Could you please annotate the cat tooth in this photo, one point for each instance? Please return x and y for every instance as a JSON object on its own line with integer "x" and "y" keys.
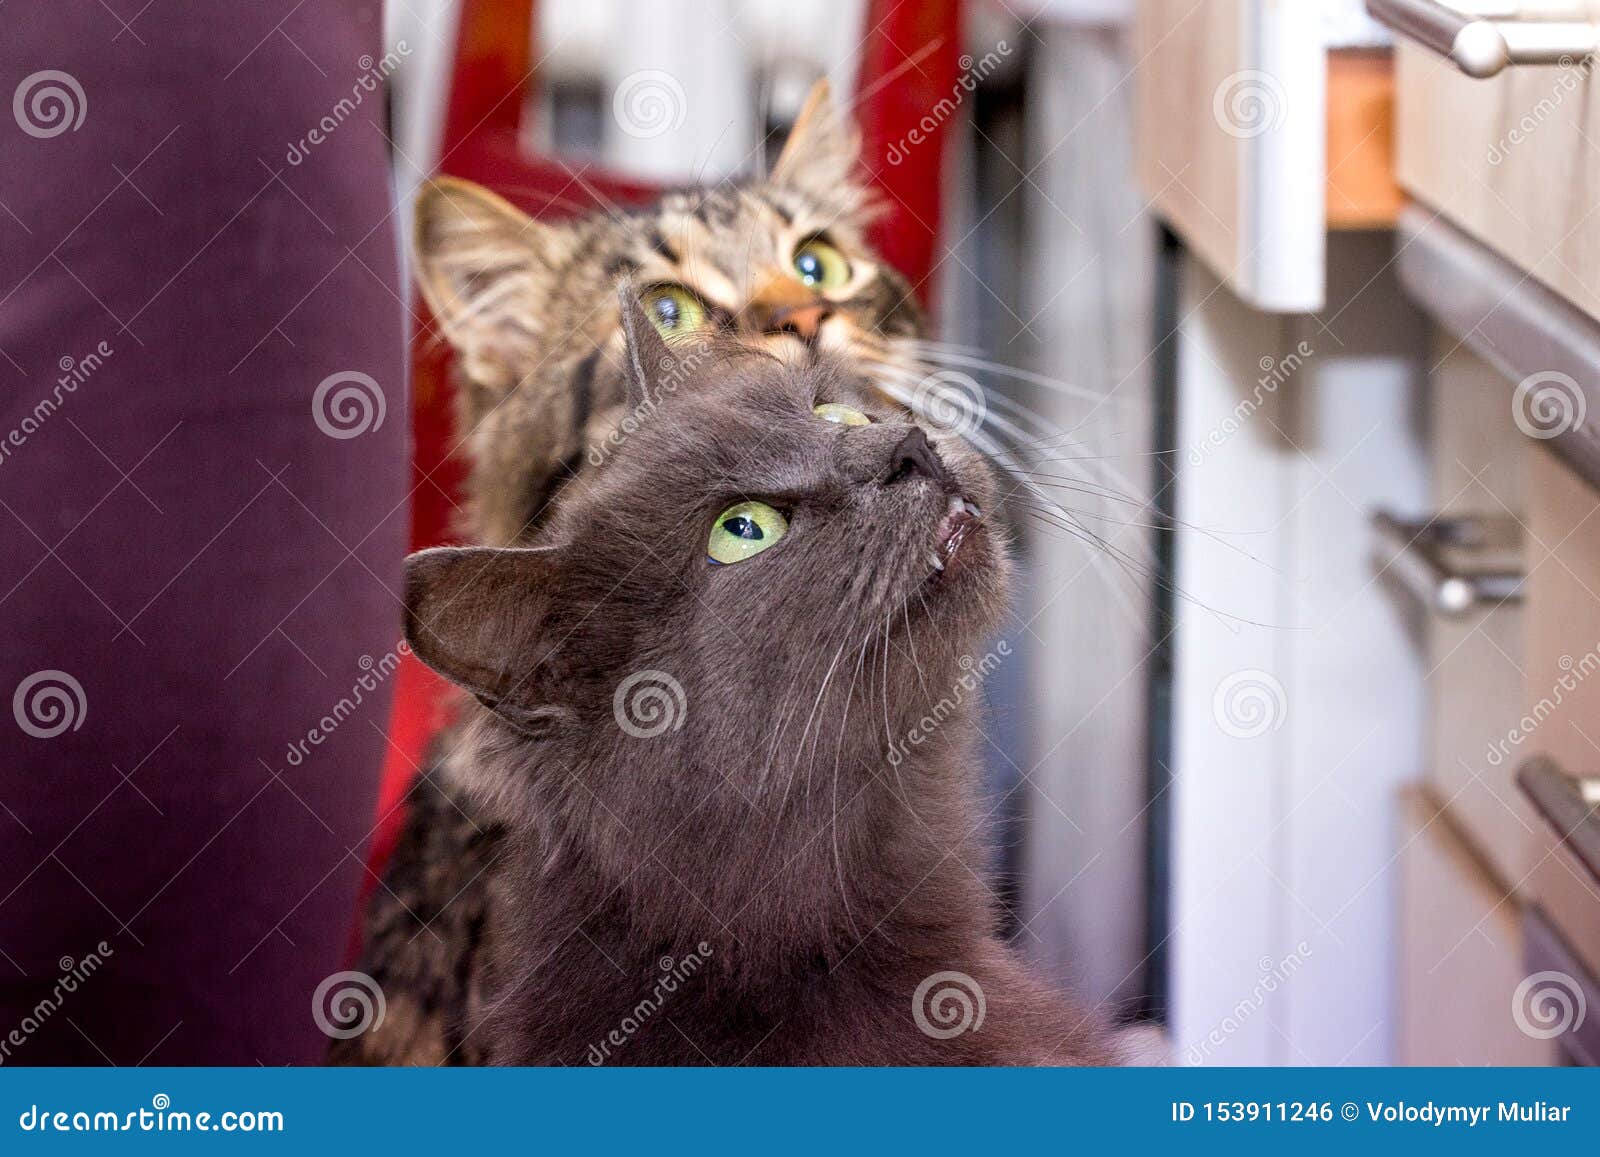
{"x": 935, "y": 561}
{"x": 971, "y": 508}
{"x": 955, "y": 505}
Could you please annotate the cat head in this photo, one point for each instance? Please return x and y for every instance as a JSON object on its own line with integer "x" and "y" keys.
{"x": 780, "y": 262}
{"x": 740, "y": 626}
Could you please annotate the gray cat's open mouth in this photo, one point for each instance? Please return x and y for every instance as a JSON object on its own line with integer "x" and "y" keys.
{"x": 962, "y": 520}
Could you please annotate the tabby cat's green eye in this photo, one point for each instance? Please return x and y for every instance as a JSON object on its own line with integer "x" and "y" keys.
{"x": 844, "y": 415}
{"x": 674, "y": 310}
{"x": 744, "y": 531}
{"x": 820, "y": 265}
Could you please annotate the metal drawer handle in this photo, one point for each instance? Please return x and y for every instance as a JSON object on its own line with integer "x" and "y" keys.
{"x": 1569, "y": 803}
{"x": 1558, "y": 978}
{"x": 1482, "y": 43}
{"x": 1426, "y": 557}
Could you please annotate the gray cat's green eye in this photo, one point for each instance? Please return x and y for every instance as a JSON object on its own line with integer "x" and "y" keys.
{"x": 673, "y": 310}
{"x": 744, "y": 531}
{"x": 820, "y": 265}
{"x": 844, "y": 415}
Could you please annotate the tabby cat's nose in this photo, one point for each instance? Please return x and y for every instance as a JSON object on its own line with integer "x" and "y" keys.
{"x": 913, "y": 457}
{"x": 803, "y": 322}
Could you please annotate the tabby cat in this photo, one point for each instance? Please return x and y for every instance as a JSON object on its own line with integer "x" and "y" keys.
{"x": 717, "y": 850}
{"x": 779, "y": 264}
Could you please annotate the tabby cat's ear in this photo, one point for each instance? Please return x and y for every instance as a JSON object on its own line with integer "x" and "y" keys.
{"x": 484, "y": 267}
{"x": 477, "y": 615}
{"x": 652, "y": 366}
{"x": 821, "y": 156}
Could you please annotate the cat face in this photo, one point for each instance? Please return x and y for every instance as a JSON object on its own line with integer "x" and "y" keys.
{"x": 779, "y": 264}
{"x": 775, "y": 577}
{"x": 777, "y": 269}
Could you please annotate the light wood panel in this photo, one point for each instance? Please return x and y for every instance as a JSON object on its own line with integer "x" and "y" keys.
{"x": 1513, "y": 160}
{"x": 1460, "y": 949}
{"x": 1230, "y": 99}
{"x": 1476, "y": 662}
{"x": 1563, "y": 614}
{"x": 1562, "y": 687}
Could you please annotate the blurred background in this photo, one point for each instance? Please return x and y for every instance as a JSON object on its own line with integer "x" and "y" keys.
{"x": 1294, "y": 751}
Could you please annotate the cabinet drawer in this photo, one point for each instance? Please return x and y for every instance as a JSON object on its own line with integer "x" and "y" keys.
{"x": 1493, "y": 457}
{"x": 1566, "y": 880}
{"x": 1477, "y": 659}
{"x": 1229, "y": 101}
{"x": 1561, "y": 680}
{"x": 1555, "y": 997}
{"x": 1461, "y": 948}
{"x": 1510, "y": 158}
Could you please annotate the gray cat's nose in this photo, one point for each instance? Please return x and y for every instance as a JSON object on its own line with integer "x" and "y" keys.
{"x": 913, "y": 457}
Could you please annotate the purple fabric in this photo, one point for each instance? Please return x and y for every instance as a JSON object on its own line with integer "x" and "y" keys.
{"x": 184, "y": 541}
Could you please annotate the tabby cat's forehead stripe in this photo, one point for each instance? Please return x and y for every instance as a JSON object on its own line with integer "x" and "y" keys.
{"x": 776, "y": 206}
{"x": 583, "y": 391}
{"x": 659, "y": 244}
{"x": 619, "y": 267}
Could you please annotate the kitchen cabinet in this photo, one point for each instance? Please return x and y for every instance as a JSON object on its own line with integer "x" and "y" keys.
{"x": 1414, "y": 664}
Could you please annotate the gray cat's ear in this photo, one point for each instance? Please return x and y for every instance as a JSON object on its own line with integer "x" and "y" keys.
{"x": 822, "y": 154}
{"x": 652, "y": 367}
{"x": 477, "y": 615}
{"x": 484, "y": 268}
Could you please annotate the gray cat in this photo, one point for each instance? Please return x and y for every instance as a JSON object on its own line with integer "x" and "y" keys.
{"x": 693, "y": 703}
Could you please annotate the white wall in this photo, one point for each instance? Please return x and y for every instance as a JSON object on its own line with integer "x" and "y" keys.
{"x": 1299, "y": 706}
